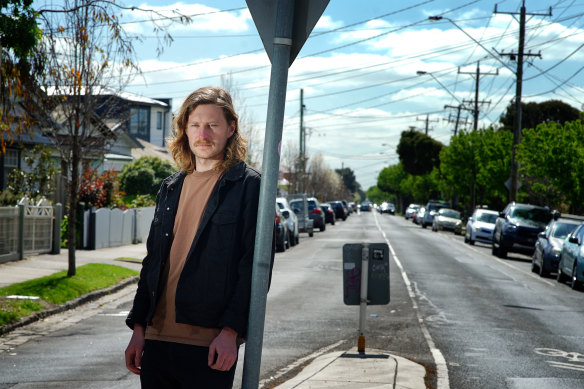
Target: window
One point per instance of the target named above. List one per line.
(11, 158)
(159, 120)
(139, 122)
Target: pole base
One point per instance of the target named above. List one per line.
(361, 344)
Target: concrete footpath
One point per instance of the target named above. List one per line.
(340, 369)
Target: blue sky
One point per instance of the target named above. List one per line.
(359, 67)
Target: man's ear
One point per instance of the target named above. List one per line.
(231, 129)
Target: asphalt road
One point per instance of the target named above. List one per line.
(495, 323)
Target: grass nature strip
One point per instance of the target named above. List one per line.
(57, 289)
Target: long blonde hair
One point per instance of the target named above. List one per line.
(178, 144)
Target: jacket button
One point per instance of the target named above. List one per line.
(153, 294)
(168, 208)
(166, 234)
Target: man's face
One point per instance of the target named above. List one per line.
(208, 131)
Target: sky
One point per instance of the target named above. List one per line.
(359, 68)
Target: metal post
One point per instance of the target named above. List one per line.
(363, 300)
(21, 231)
(271, 160)
(301, 148)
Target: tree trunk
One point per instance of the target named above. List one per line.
(74, 183)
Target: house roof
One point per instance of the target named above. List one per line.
(151, 150)
(128, 96)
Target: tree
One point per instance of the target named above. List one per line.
(349, 179)
(87, 58)
(418, 152)
(533, 114)
(324, 183)
(19, 34)
(552, 165)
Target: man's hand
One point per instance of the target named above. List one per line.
(224, 346)
(135, 349)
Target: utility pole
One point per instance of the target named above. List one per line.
(477, 76)
(302, 148)
(514, 180)
(427, 120)
(458, 108)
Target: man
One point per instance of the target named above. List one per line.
(191, 307)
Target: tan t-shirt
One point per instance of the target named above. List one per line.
(194, 196)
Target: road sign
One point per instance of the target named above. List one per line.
(306, 14)
(378, 273)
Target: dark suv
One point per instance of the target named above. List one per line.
(517, 227)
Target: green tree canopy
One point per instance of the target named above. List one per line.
(418, 152)
(349, 179)
(533, 114)
(552, 165)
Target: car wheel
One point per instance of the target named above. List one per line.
(466, 240)
(542, 271)
(323, 227)
(423, 225)
(534, 267)
(470, 241)
(291, 239)
(561, 277)
(297, 239)
(281, 246)
(494, 249)
(575, 284)
(311, 234)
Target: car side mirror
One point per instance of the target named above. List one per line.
(286, 214)
(502, 214)
(573, 239)
(541, 235)
(470, 220)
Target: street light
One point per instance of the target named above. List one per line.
(421, 73)
(437, 18)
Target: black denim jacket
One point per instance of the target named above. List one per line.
(214, 287)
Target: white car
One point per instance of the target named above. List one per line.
(291, 220)
(480, 226)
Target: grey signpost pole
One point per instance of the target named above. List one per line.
(270, 168)
(363, 297)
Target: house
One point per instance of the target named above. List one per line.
(124, 126)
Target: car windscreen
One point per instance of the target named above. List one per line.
(561, 230)
(297, 206)
(490, 218)
(280, 205)
(311, 205)
(531, 213)
(451, 214)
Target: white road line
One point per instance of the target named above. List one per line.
(441, 366)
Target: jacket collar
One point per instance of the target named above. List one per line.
(234, 173)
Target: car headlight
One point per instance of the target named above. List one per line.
(510, 227)
(458, 223)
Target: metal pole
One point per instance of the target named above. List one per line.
(363, 300)
(301, 152)
(21, 231)
(270, 165)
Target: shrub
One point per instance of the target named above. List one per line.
(144, 175)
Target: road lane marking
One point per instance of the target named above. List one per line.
(441, 366)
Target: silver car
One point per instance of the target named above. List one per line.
(291, 220)
(480, 226)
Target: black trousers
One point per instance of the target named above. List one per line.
(167, 365)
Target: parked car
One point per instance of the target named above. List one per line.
(419, 215)
(386, 207)
(291, 220)
(299, 205)
(282, 242)
(432, 209)
(447, 219)
(352, 207)
(340, 211)
(480, 226)
(347, 207)
(571, 266)
(548, 247)
(329, 214)
(365, 207)
(517, 227)
(314, 211)
(411, 210)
